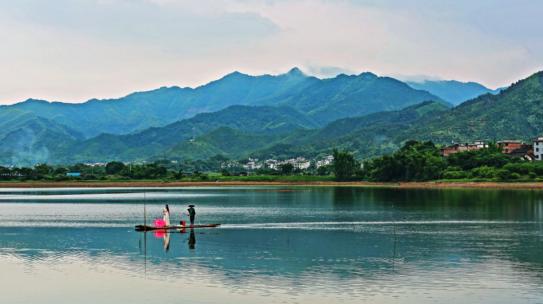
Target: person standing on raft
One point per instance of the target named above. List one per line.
(166, 215)
(192, 214)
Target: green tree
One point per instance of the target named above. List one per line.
(414, 161)
(42, 170)
(287, 169)
(114, 167)
(323, 170)
(484, 172)
(490, 157)
(5, 173)
(60, 171)
(344, 165)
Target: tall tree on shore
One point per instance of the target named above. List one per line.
(114, 167)
(344, 165)
(286, 169)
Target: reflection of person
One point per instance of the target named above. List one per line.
(192, 239)
(166, 240)
(166, 215)
(192, 214)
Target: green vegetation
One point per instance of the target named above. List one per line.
(200, 137)
(515, 113)
(366, 136)
(344, 165)
(420, 161)
(163, 122)
(292, 127)
(160, 170)
(166, 105)
(415, 161)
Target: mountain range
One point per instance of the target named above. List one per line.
(514, 113)
(346, 95)
(452, 91)
(266, 116)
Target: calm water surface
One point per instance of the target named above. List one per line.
(276, 245)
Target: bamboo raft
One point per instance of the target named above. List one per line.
(174, 227)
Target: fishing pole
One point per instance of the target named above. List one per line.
(144, 209)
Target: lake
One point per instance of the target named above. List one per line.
(275, 245)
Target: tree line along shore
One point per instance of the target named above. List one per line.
(415, 162)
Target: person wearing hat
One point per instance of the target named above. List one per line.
(192, 214)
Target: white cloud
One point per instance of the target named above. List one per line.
(78, 49)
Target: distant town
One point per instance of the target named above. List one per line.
(501, 160)
(298, 163)
(515, 148)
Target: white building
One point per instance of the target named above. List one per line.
(538, 148)
(272, 164)
(325, 162)
(300, 163)
(252, 164)
(479, 144)
(230, 164)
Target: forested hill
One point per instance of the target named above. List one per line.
(323, 99)
(515, 113)
(367, 136)
(452, 91)
(259, 121)
(355, 95)
(283, 131)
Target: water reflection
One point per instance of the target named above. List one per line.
(308, 245)
(165, 237)
(192, 240)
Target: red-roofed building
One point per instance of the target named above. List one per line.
(463, 147)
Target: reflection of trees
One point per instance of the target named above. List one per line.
(462, 204)
(365, 251)
(239, 255)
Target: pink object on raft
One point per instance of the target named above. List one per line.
(160, 223)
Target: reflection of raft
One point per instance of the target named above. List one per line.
(175, 227)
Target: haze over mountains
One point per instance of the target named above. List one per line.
(285, 115)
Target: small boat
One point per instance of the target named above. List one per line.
(174, 227)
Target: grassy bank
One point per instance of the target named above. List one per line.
(261, 181)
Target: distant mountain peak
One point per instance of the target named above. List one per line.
(452, 91)
(235, 74)
(368, 75)
(34, 100)
(295, 71)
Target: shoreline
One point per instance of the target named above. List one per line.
(399, 185)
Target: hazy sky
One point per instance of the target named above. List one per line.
(73, 50)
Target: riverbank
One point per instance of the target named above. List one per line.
(404, 185)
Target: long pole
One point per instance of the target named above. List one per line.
(144, 209)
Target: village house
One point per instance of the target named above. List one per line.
(516, 148)
(508, 146)
(298, 163)
(252, 164)
(525, 151)
(477, 145)
(329, 159)
(538, 148)
(230, 164)
(272, 164)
